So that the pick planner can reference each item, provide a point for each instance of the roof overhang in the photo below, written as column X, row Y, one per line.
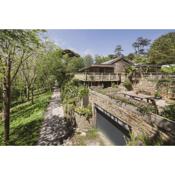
column 97, row 66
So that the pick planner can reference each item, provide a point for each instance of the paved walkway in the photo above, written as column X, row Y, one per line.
column 54, row 107
column 55, row 125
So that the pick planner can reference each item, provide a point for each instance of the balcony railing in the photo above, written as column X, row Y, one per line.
column 96, row 77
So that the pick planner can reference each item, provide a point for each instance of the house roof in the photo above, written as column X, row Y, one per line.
column 109, row 63
column 116, row 60
column 98, row 65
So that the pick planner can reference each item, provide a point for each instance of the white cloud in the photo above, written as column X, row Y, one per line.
column 88, row 51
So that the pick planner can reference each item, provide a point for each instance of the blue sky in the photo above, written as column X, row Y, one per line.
column 101, row 42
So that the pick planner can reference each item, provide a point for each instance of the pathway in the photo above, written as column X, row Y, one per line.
column 55, row 127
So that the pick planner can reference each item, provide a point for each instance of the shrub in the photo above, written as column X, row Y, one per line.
column 84, row 111
column 157, row 95
column 128, row 85
column 144, row 140
column 71, row 94
column 169, row 112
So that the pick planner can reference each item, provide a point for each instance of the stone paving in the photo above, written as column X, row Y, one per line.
column 56, row 128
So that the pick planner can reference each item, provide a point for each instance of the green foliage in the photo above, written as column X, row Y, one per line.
column 101, row 59
column 168, row 69
column 146, row 109
column 138, row 140
column 130, row 57
column 169, row 112
column 71, row 94
column 82, row 91
column 157, row 94
column 118, row 50
column 140, row 45
column 144, row 140
column 128, row 85
column 92, row 133
column 130, row 70
column 113, row 85
column 140, row 59
column 88, row 60
column 26, row 120
column 162, row 51
column 84, row 111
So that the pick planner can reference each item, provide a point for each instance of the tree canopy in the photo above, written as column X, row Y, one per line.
column 140, row 45
column 162, row 51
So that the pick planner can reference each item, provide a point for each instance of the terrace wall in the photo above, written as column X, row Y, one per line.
column 148, row 124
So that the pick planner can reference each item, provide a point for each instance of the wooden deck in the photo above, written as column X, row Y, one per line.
column 96, row 77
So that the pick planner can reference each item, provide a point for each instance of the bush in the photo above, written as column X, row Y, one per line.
column 146, row 109
column 157, row 95
column 169, row 112
column 144, row 140
column 71, row 94
column 85, row 111
column 128, row 85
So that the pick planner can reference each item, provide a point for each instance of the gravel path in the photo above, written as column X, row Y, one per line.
column 55, row 127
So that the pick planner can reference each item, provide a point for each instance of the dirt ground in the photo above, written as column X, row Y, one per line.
column 91, row 137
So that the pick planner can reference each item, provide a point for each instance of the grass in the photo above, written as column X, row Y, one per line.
column 26, row 120
column 91, row 137
column 144, row 140
column 169, row 112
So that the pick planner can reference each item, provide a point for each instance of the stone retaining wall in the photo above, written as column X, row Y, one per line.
column 149, row 124
column 82, row 122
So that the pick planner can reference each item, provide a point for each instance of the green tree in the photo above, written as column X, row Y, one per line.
column 130, row 56
column 118, row 51
column 15, row 48
column 88, row 60
column 162, row 51
column 100, row 59
column 140, row 45
column 168, row 69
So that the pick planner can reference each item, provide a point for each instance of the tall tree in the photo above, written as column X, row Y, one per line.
column 14, row 50
column 118, row 50
column 162, row 51
column 88, row 60
column 140, row 45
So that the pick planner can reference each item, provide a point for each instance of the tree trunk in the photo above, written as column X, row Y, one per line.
column 28, row 93
column 7, row 102
column 32, row 95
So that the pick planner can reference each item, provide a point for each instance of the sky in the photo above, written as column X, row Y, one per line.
column 101, row 42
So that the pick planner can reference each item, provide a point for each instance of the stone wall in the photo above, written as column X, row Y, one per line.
column 82, row 123
column 152, row 85
column 148, row 124
column 146, row 86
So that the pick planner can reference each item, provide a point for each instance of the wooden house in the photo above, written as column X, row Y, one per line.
column 113, row 71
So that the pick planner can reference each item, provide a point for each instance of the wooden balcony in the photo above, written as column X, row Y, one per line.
column 96, row 77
